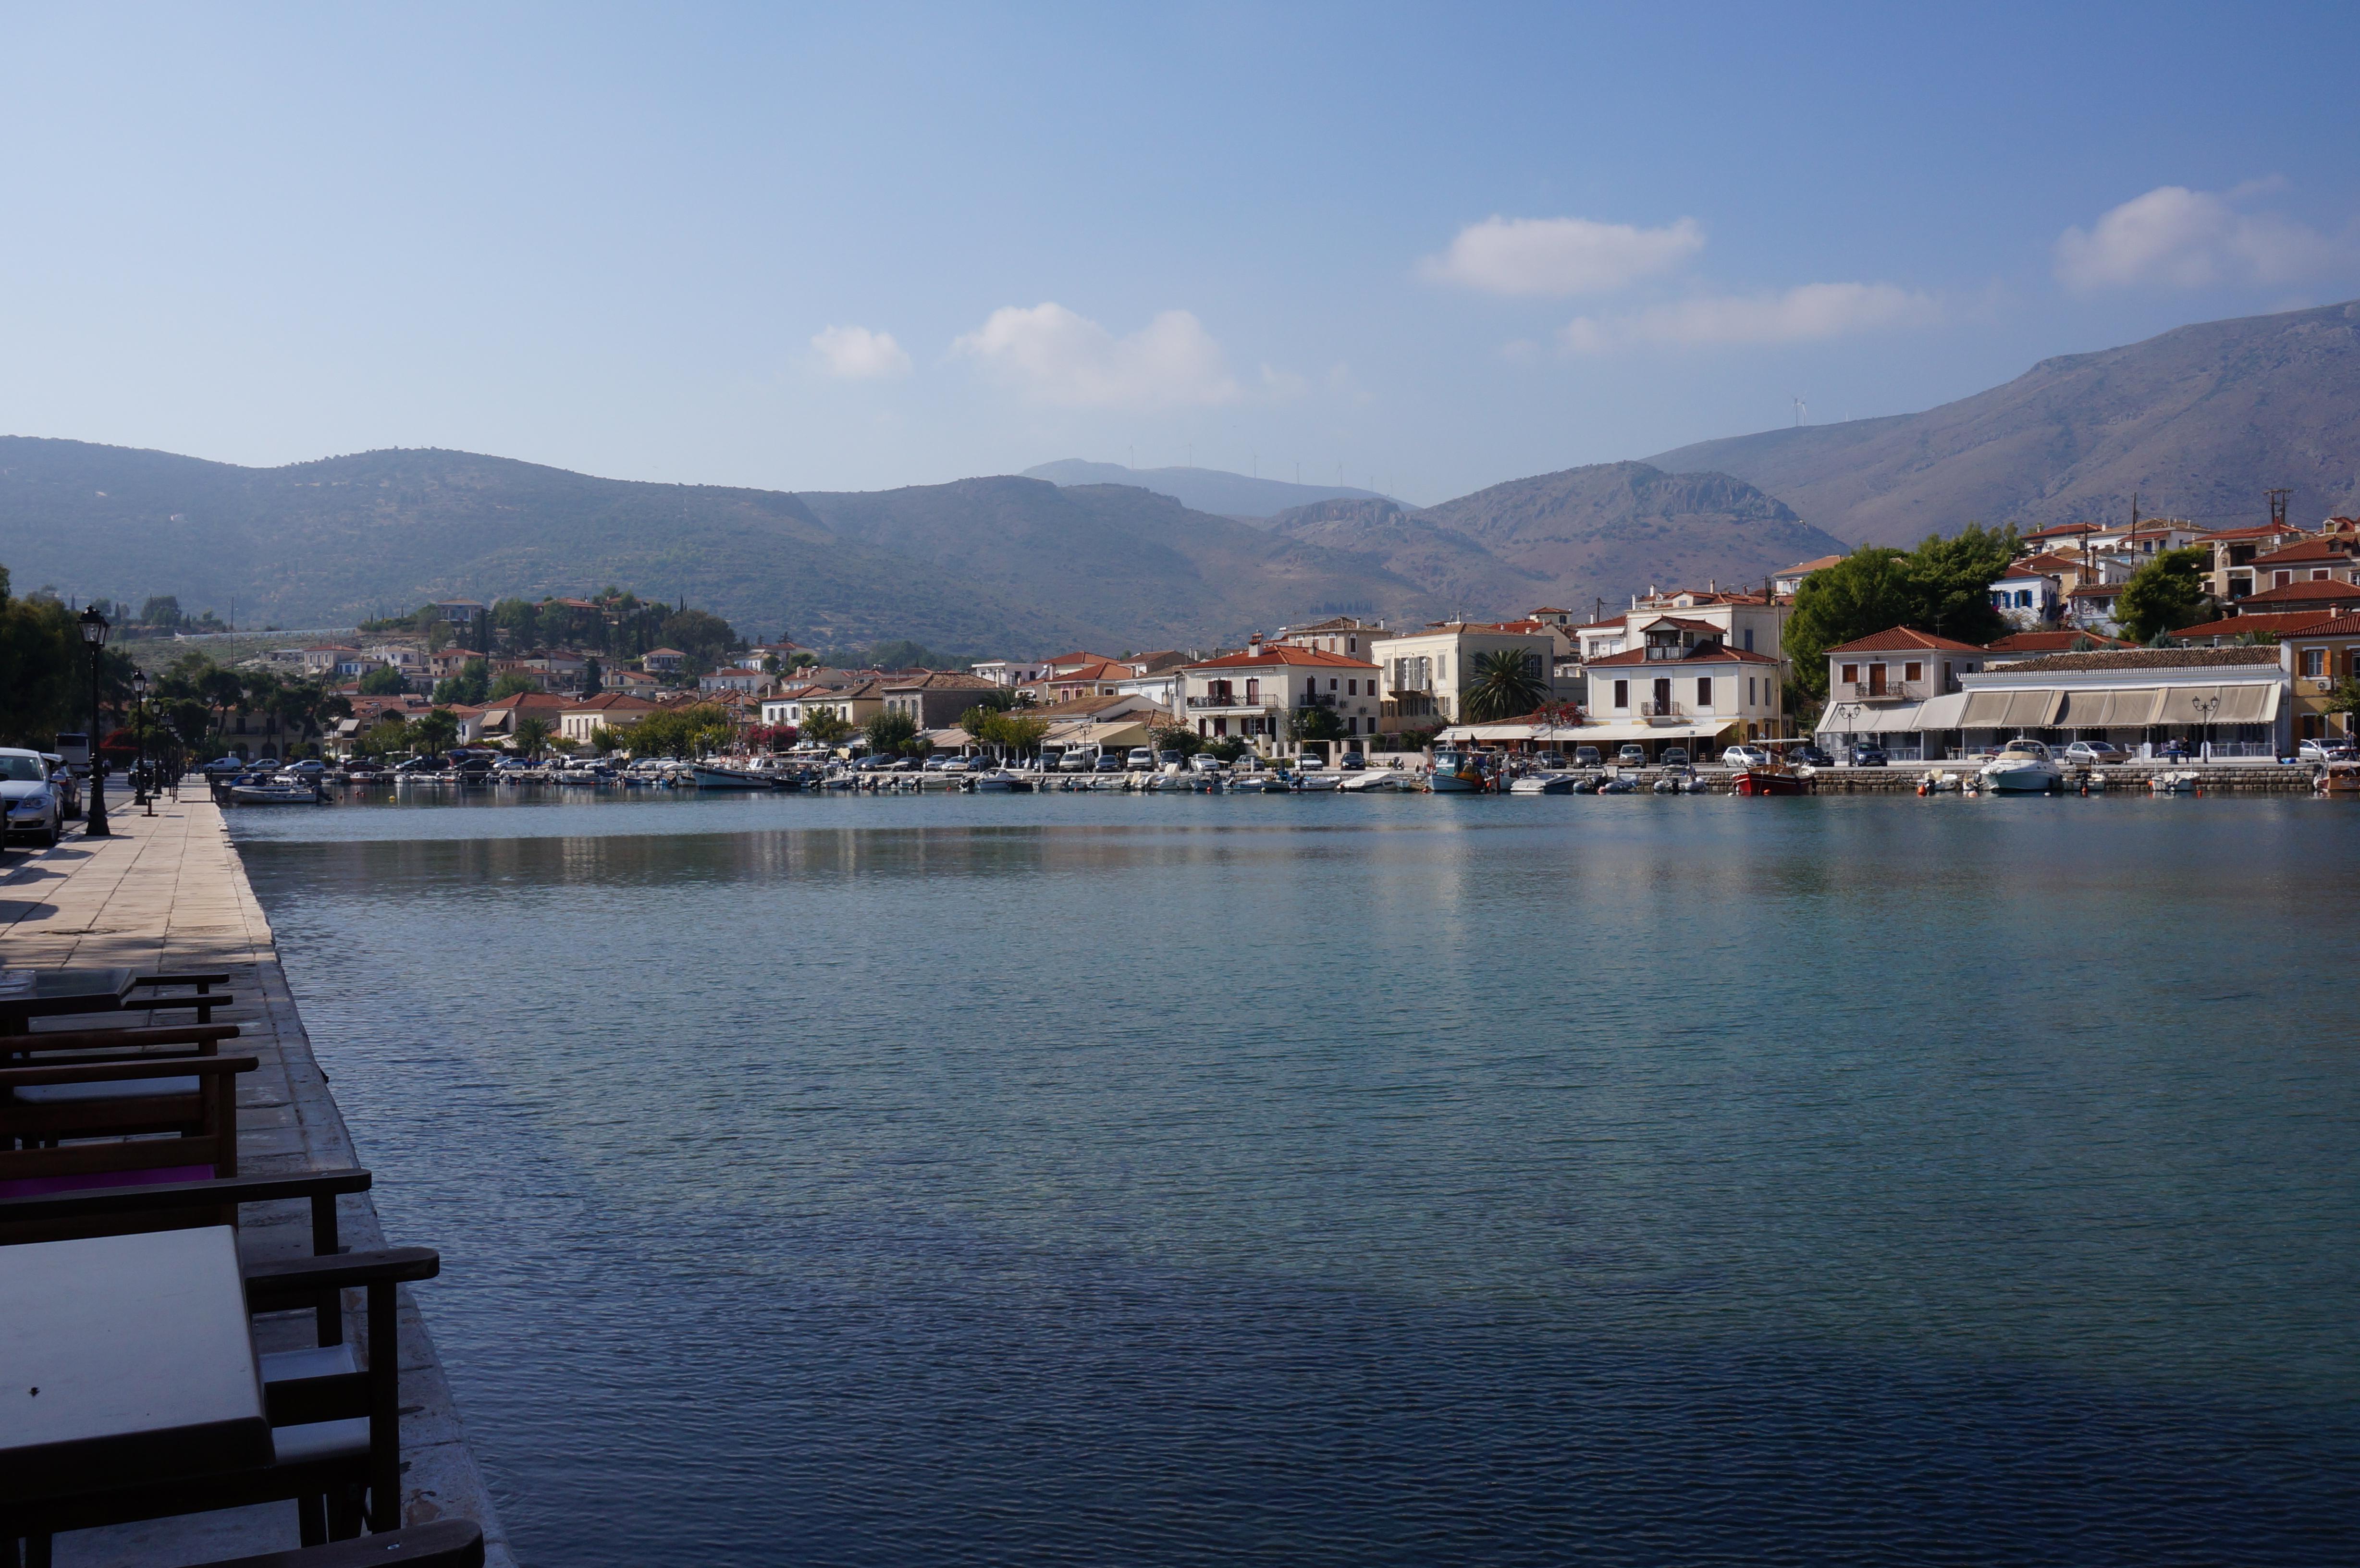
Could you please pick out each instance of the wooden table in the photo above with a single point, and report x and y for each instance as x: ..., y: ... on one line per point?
x: 126, y: 1359
x: 58, y: 991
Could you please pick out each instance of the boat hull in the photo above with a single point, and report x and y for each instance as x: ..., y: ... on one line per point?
x: 1752, y: 782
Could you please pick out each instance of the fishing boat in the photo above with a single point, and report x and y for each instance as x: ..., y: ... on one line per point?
x: 2024, y: 767
x: 1315, y: 779
x: 1455, y: 773
x: 1774, y: 775
x: 2337, y: 778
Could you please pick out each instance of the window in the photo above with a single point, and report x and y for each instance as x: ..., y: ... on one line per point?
x: 1913, y: 671
x: 1704, y: 691
x: 1749, y: 698
x: 1351, y: 645
x: 1441, y: 667
x: 1622, y: 693
x: 2314, y: 662
x: 1351, y: 688
x: 1851, y: 672
x: 1749, y: 639
x: 2280, y: 579
x: 1253, y: 689
x: 2322, y: 574
x: 1331, y: 683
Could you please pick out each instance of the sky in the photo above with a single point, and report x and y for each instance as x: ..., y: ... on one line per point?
x: 1420, y: 249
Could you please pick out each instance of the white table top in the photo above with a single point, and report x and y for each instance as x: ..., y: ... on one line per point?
x: 126, y: 1359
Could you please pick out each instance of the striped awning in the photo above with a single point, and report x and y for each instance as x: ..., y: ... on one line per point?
x: 2110, y: 708
x: 2024, y: 710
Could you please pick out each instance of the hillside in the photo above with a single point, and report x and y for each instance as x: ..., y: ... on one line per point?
x: 1569, y: 539
x: 2198, y: 422
x: 1201, y: 489
x: 980, y: 566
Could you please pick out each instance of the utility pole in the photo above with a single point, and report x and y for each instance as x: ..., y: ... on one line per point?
x: 2278, y: 500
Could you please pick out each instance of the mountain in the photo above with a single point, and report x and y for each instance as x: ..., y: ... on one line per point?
x: 2197, y: 423
x: 1201, y: 489
x: 1604, y: 531
x: 983, y: 565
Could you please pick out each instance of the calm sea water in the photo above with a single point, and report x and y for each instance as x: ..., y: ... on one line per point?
x: 1180, y: 1179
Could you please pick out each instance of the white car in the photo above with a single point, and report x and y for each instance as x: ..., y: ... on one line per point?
x: 2322, y: 751
x: 1746, y: 756
x: 31, y: 801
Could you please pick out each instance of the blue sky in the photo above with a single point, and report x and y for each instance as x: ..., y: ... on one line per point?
x: 1427, y: 247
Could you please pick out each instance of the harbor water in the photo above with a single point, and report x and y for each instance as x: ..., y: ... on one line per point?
x: 1181, y: 1180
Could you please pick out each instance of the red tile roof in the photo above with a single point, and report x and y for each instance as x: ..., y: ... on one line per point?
x: 2341, y: 548
x: 2278, y: 624
x: 1686, y: 626
x: 2342, y: 626
x: 1284, y: 653
x: 1710, y: 653
x: 2045, y: 564
x: 2052, y: 642
x: 1904, y: 639
x: 2304, y: 593
x: 1805, y: 568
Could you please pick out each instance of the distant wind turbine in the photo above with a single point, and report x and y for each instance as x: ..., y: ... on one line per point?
x: 1801, y: 409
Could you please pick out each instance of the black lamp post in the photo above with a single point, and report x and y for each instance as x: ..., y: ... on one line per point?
x: 94, y: 632
x: 143, y: 796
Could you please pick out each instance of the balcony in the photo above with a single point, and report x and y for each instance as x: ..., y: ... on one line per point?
x: 1891, y: 692
x: 1224, y: 700
x: 1663, y: 712
x: 1314, y: 700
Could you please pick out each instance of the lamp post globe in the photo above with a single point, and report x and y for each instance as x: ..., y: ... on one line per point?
x: 140, y: 791
x: 94, y: 633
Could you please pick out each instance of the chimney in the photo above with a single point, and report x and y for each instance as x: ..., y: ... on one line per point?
x: 1254, y: 645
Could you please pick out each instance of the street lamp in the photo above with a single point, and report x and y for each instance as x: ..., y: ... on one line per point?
x: 94, y: 632
x: 2204, y: 706
x: 143, y: 796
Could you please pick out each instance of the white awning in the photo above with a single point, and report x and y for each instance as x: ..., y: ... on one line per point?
x: 1569, y: 737
x: 1941, y: 713
x: 2110, y: 707
x: 2246, y: 703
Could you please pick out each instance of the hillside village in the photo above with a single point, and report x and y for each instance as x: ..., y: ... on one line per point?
x: 1681, y: 673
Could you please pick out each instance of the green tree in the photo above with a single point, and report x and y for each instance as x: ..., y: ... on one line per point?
x: 1316, y: 723
x: 161, y: 610
x: 1951, y: 579
x: 515, y: 683
x: 1867, y: 590
x: 528, y: 736
x: 978, y: 721
x: 594, y: 680
x: 1176, y: 736
x: 1018, y: 733
x: 2165, y: 594
x: 826, y: 726
x: 388, y: 735
x: 890, y: 731
x: 1225, y: 748
x: 384, y: 680
x: 1507, y: 684
x: 703, y: 636
x: 471, y: 685
x: 437, y: 730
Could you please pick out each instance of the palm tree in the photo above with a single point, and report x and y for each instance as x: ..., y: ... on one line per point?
x: 531, y: 735
x: 1506, y: 683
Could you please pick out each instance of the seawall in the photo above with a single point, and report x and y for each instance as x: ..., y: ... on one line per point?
x: 168, y: 892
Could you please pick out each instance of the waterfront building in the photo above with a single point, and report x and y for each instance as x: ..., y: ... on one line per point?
x: 2317, y: 659
x: 1347, y: 635
x: 1681, y: 685
x: 2324, y: 597
x: 610, y: 710
x: 933, y: 698
x: 501, y: 718
x: 2233, y: 698
x: 1252, y: 693
x: 2233, y: 549
x: 736, y: 677
x: 1894, y: 689
x: 1786, y: 579
x: 1427, y: 673
x: 1155, y: 677
x: 2333, y: 558
x: 1009, y: 672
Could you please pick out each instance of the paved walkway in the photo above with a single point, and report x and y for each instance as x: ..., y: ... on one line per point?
x: 167, y: 892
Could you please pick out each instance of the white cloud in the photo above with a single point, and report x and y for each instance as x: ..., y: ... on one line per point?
x: 1561, y: 256
x: 1803, y: 314
x: 1057, y: 356
x: 858, y: 354
x: 2177, y: 238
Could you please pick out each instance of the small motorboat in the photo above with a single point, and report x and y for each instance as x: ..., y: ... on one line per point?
x: 1380, y: 780
x: 274, y: 793
x: 2180, y: 783
x: 2024, y: 767
x: 2337, y: 778
x: 1618, y: 784
x: 1543, y: 784
x: 1455, y: 773
x: 710, y: 775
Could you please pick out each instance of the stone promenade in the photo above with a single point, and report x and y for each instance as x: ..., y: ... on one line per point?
x: 168, y: 893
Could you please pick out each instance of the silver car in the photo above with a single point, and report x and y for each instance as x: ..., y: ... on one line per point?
x: 31, y: 802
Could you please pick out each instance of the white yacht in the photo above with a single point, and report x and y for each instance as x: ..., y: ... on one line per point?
x: 2022, y: 767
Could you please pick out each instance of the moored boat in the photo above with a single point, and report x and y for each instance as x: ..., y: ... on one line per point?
x: 709, y: 776
x: 2338, y: 779
x: 1543, y: 784
x: 1455, y: 773
x: 2024, y: 767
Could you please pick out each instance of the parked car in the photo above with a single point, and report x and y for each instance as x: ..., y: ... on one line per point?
x: 1866, y: 756
x: 1673, y: 757
x: 1587, y: 756
x: 1203, y: 762
x: 1109, y: 763
x: 31, y: 802
x: 1549, y: 759
x: 1076, y: 760
x: 225, y: 765
x: 2096, y: 753
x: 1352, y: 762
x: 1813, y: 756
x: 1632, y: 755
x: 1170, y: 759
x: 2319, y: 751
x: 1141, y: 760
x: 1746, y: 756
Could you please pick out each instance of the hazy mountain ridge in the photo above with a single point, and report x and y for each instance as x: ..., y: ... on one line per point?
x: 1212, y: 490
x: 2196, y: 422
x: 1569, y: 539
